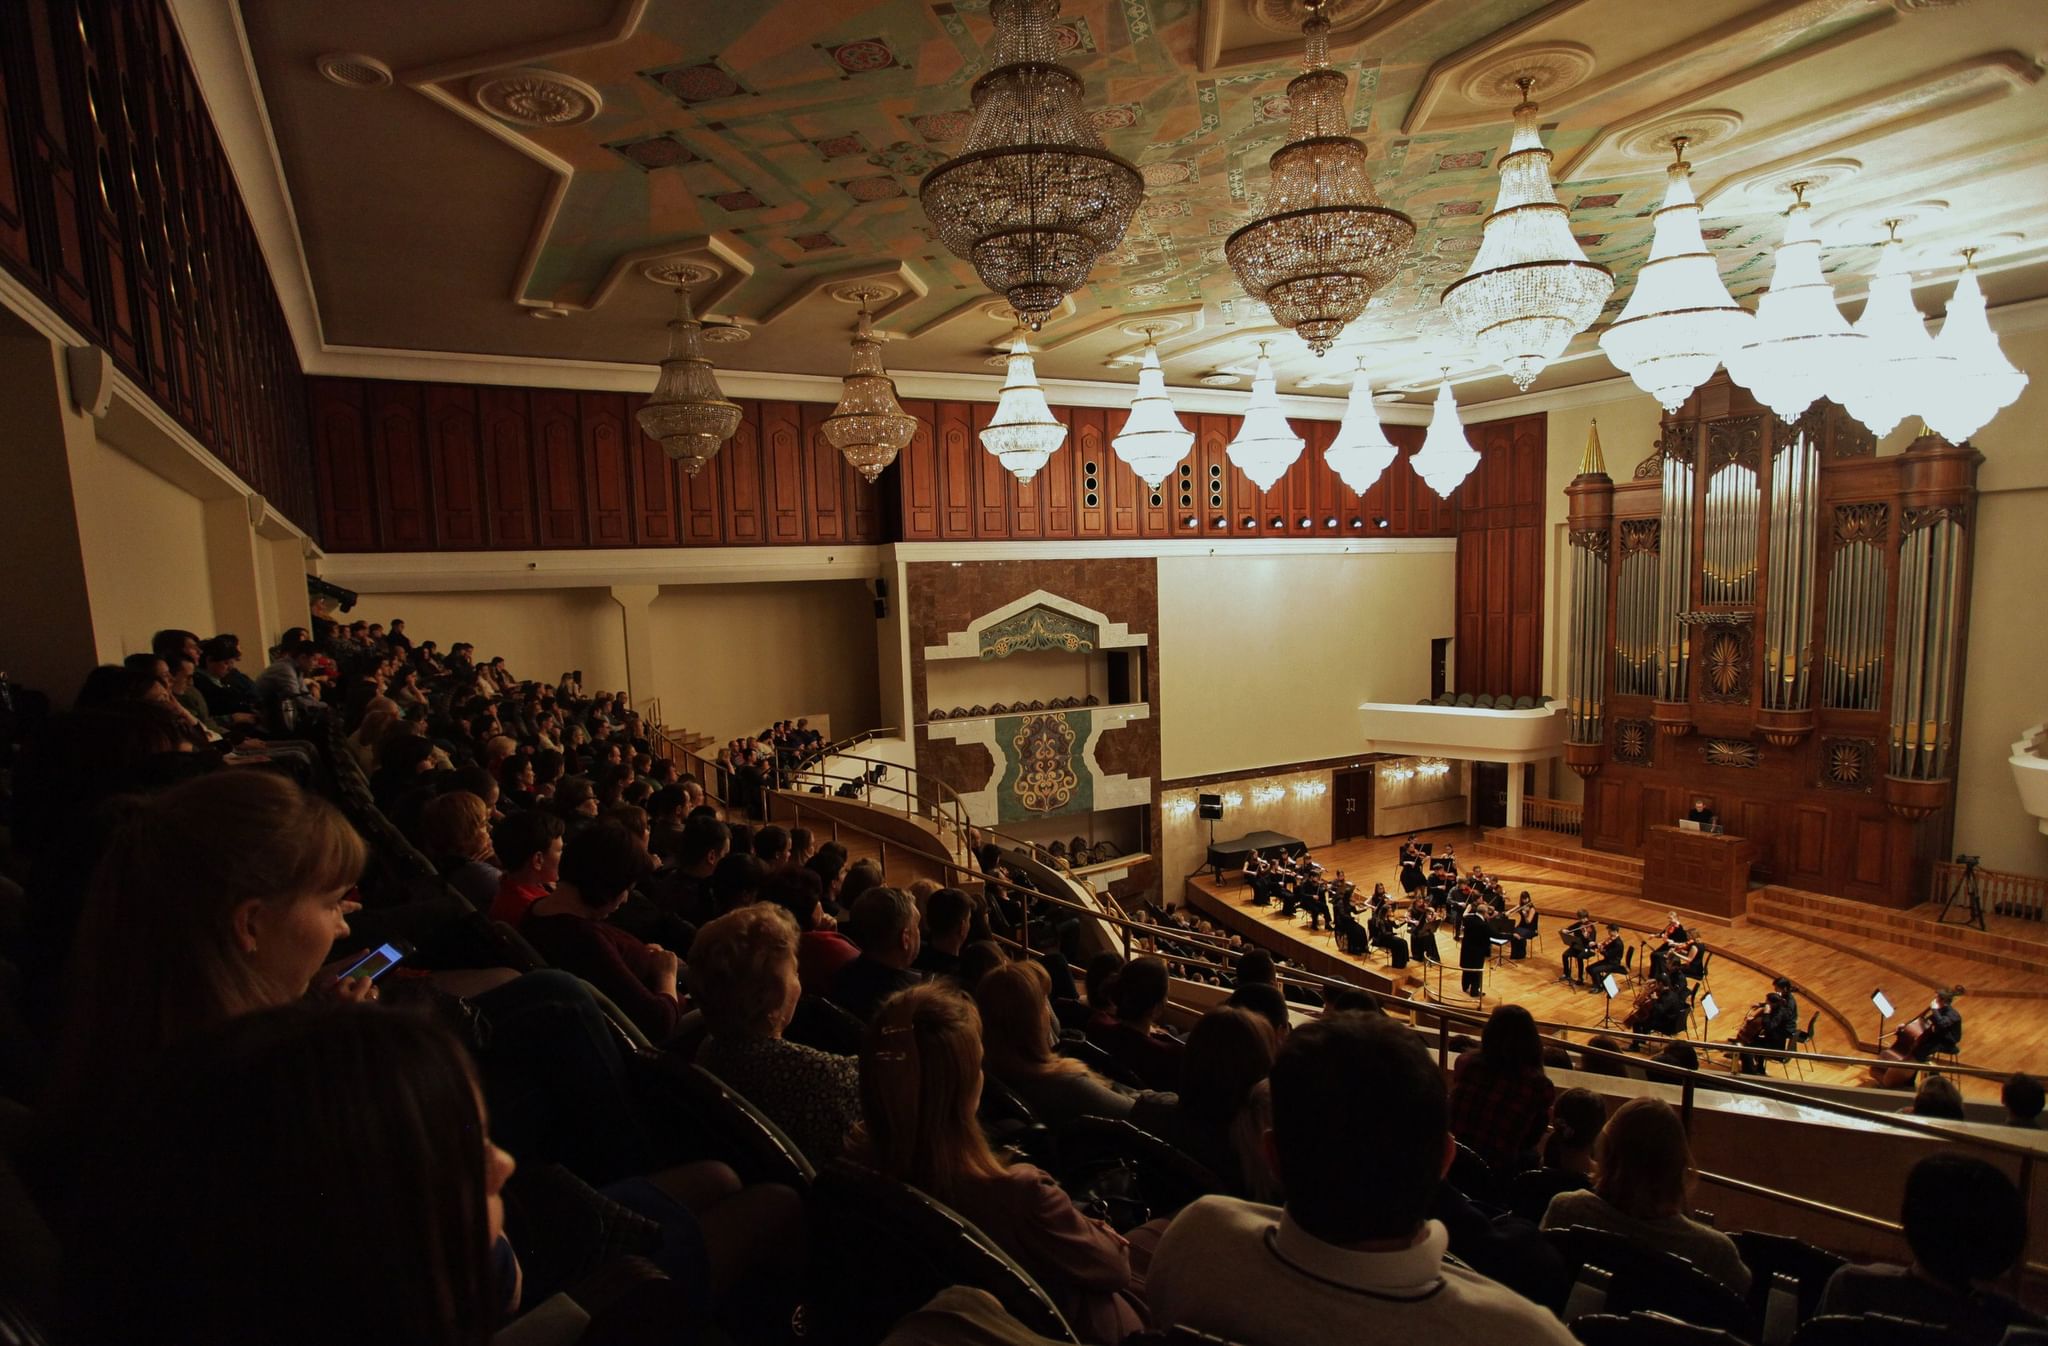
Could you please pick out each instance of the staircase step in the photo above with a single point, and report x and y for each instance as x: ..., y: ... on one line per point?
x: 1557, y: 870
x: 1896, y: 946
x: 1535, y: 842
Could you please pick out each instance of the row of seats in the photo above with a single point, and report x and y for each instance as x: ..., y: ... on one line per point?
x: 1485, y: 701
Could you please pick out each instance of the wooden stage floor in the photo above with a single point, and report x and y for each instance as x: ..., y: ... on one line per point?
x: 1834, y: 963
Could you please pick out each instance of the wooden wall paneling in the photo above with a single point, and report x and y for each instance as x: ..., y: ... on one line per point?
x: 15, y: 248
x: 826, y: 477
x: 607, y: 468
x: 341, y: 461
x: 656, y: 520
x: 54, y: 167
x: 558, y: 469
x: 740, y: 471
x: 102, y: 154
x: 990, y: 482
x: 142, y: 116
x: 1525, y: 610
x: 1207, y: 469
x: 1059, y: 485
x: 957, y: 451
x: 399, y: 468
x: 510, y: 509
x: 863, y: 507
x: 782, y: 460
x: 1328, y: 500
x: 453, y: 451
x: 917, y: 477
x: 702, y: 498
x: 1111, y: 500
x: 1247, y: 501
x: 1806, y: 844
x: 1028, y: 498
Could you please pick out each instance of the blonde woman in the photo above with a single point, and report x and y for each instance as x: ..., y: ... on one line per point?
x: 743, y: 973
x: 1018, y: 1031
x: 920, y: 1083
x: 1642, y: 1172
x: 455, y: 832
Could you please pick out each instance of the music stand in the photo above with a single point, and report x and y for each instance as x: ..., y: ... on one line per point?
x: 1884, y: 1012
x: 1608, y: 985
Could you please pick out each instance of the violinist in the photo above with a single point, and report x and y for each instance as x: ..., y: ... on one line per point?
x: 1380, y: 932
x: 1379, y: 898
x: 1341, y: 907
x: 1612, y: 960
x: 1579, y: 938
x: 1258, y: 874
x: 1672, y: 933
x: 1685, y: 960
x: 1422, y: 931
x: 1525, y: 922
x: 1411, y: 865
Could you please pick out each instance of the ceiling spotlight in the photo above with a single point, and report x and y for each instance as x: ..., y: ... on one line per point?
x: 1330, y: 522
x: 1381, y: 523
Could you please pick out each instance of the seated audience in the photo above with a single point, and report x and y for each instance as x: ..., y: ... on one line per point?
x: 883, y: 924
x: 735, y: 881
x: 1224, y: 1108
x: 1642, y: 1171
x: 920, y: 1080
x: 1500, y: 1097
x: 1576, y: 1119
x: 771, y: 845
x: 743, y: 974
x: 599, y: 867
x: 455, y: 833
x: 1131, y: 1033
x: 821, y: 951
x: 2022, y: 1096
x: 684, y: 886
x: 529, y: 848
x: 1936, y: 1097
x: 1352, y: 1257
x: 948, y: 914
x: 1966, y: 1226
x: 1265, y: 999
x: 1018, y: 1032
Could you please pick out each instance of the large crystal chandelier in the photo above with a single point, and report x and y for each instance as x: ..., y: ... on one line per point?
x: 1033, y: 199
x: 1326, y: 243
x: 1446, y: 456
x: 1899, y: 372
x: 1984, y: 382
x: 687, y: 414
x: 1153, y: 441
x: 1023, y: 433
x: 1800, y: 348
x: 1680, y: 321
x: 1265, y: 445
x: 1530, y: 289
x: 1361, y: 450
x: 869, y: 426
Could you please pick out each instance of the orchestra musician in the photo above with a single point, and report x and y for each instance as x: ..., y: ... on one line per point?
x: 1936, y: 1030
x: 1685, y: 960
x: 1613, y: 958
x: 1672, y: 933
x: 1525, y: 922
x: 1258, y: 873
x: 1422, y: 921
x: 1672, y: 1007
x: 1411, y: 865
x: 1579, y: 938
x: 1341, y: 907
x: 1773, y: 1023
x: 1474, y: 944
x: 1380, y: 932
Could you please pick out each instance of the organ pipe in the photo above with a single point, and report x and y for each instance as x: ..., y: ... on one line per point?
x: 1584, y: 692
x: 1788, y: 624
x: 1674, y: 579
x: 1923, y: 692
x: 1728, y: 569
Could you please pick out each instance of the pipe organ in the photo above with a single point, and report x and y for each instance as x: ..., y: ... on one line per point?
x: 1771, y: 617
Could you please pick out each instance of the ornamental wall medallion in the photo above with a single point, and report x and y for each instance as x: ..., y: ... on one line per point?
x: 1633, y: 740
x: 1038, y: 628
x: 1731, y: 752
x: 1862, y: 523
x: 1724, y: 666
x: 1043, y: 770
x: 1845, y: 763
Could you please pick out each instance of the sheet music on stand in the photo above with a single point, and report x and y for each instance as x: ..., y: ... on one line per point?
x: 1612, y: 987
x: 1709, y: 1008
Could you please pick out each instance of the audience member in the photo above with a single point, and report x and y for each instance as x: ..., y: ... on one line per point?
x: 2022, y: 1096
x: 1500, y: 1097
x: 948, y: 913
x: 455, y: 832
x: 883, y: 924
x: 920, y: 1081
x: 1642, y: 1172
x: 529, y: 847
x: 1224, y: 1107
x: 1018, y: 1032
x: 1131, y: 1033
x: 599, y: 866
x: 1352, y: 1256
x: 1577, y: 1117
x: 743, y: 974
x: 1936, y: 1097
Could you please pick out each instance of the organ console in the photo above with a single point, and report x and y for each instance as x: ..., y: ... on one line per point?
x: 1771, y: 616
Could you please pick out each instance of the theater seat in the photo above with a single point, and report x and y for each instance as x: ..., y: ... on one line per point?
x: 1649, y: 1280
x: 1138, y: 1175
x: 893, y: 1248
x: 1768, y: 1255
x: 1645, y: 1329
x: 1869, y: 1329
x: 694, y: 1115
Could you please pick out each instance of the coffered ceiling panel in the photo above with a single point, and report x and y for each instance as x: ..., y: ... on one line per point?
x: 534, y: 164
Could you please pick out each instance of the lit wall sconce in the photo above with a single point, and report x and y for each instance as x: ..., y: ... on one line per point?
x: 1268, y: 794
x: 1232, y: 799
x: 1179, y: 808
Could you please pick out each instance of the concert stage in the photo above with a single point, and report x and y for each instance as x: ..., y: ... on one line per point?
x: 1229, y: 856
x: 1835, y: 951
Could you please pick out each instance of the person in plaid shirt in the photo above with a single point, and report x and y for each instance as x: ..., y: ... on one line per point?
x: 1500, y: 1097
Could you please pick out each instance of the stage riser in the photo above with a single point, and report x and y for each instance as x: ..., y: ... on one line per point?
x: 1554, y: 843
x: 1508, y: 867
x: 1958, y: 938
x: 1802, y: 920
x: 1903, y: 967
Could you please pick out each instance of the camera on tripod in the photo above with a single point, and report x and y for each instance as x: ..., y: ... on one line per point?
x: 1965, y: 887
x: 1969, y: 861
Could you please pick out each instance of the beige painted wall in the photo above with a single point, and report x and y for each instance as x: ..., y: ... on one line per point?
x: 47, y: 640
x: 144, y: 541
x: 731, y: 658
x: 540, y: 632
x: 1302, y: 809
x: 1264, y: 660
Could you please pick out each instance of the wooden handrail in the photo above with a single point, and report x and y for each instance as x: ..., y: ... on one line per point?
x: 2003, y: 893
x: 1554, y: 815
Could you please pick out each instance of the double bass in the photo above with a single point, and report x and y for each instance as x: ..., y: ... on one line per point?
x: 1754, y: 1025
x: 1640, y: 1015
x: 1909, y: 1043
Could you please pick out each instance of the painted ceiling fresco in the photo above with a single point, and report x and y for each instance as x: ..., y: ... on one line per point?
x: 792, y: 134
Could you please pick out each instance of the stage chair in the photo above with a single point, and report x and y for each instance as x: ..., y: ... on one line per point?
x: 1802, y: 1043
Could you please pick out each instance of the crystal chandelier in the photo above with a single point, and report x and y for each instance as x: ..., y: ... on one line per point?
x: 1680, y: 321
x: 1326, y: 242
x: 1984, y: 382
x: 687, y: 413
x: 1266, y: 445
x: 1446, y: 456
x: 869, y: 426
x: 1800, y: 348
x: 1530, y: 289
x: 1153, y: 441
x: 1033, y: 199
x: 1899, y: 372
x: 1361, y: 450
x: 1023, y: 433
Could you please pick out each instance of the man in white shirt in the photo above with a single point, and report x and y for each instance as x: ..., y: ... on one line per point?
x: 1360, y: 1141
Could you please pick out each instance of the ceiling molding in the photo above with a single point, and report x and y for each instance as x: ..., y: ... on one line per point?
x: 446, y: 572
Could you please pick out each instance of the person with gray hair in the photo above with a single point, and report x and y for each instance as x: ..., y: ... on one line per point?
x: 883, y: 923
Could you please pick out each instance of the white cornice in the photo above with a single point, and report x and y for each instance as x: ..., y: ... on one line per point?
x: 1173, y: 546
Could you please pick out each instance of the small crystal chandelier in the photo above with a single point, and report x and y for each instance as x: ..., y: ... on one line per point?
x: 869, y: 426
x: 1361, y: 450
x: 1530, y: 289
x: 1446, y: 456
x: 1023, y: 433
x: 1326, y: 242
x: 1153, y: 441
x: 1266, y: 445
x: 1899, y: 372
x: 1033, y: 199
x: 1800, y: 348
x: 1985, y: 382
x: 686, y: 413
x: 1680, y: 321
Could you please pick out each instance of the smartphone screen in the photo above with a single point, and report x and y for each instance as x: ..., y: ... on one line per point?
x: 375, y: 963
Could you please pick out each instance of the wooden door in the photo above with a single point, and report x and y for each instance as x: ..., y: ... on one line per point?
x: 1351, y: 804
x: 1490, y: 793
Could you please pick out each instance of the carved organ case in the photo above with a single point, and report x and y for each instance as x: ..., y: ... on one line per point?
x: 1773, y: 618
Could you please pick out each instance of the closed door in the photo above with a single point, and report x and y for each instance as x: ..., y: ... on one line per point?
x: 1351, y: 805
x: 1490, y: 793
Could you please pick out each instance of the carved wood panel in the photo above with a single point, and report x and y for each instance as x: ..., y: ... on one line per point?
x: 558, y: 470
x: 453, y: 456
x: 508, y: 465
x: 656, y: 520
x: 607, y: 469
